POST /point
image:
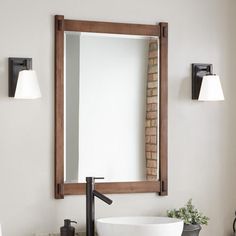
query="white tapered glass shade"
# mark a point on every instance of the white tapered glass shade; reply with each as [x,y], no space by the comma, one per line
[0,230]
[27,85]
[211,89]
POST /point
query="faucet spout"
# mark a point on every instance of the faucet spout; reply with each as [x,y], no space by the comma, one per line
[102,197]
[90,209]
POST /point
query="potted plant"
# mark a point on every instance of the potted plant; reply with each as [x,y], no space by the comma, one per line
[193,219]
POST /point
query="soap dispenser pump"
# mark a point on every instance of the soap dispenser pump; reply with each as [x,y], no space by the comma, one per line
[67,229]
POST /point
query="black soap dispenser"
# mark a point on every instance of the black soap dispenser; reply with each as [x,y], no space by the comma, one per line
[67,229]
[234,225]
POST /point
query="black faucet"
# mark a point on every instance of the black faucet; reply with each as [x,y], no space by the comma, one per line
[90,213]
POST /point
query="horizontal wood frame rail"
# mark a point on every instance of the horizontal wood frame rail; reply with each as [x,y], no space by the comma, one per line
[114,187]
[111,28]
[160,30]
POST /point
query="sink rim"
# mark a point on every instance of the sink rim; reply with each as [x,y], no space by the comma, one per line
[160,220]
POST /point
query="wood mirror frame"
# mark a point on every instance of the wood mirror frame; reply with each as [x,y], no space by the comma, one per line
[161,30]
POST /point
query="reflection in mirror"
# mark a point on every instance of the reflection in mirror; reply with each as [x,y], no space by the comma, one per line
[111,107]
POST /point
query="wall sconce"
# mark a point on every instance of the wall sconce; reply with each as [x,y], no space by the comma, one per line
[22,80]
[205,85]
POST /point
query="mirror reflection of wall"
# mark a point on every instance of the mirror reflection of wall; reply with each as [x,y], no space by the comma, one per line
[71,106]
[106,84]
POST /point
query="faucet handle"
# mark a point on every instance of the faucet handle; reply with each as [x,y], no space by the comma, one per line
[98,177]
[92,179]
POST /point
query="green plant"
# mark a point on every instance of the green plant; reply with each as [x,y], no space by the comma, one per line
[189,214]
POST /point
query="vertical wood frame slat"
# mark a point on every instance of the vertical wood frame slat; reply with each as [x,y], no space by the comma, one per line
[163,129]
[59,106]
[160,30]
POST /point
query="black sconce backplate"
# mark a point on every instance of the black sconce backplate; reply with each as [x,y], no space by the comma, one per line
[15,65]
[198,71]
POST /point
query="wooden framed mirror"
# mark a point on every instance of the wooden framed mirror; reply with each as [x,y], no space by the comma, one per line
[87,92]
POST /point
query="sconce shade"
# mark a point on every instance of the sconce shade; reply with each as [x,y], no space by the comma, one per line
[27,85]
[0,230]
[211,89]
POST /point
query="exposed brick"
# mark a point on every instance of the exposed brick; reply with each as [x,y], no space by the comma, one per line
[149,155]
[153,139]
[148,139]
[152,69]
[153,155]
[151,163]
[151,100]
[151,178]
[152,54]
[151,115]
[151,148]
[155,76]
[151,61]
[154,107]
[148,123]
[154,123]
[149,92]
[152,84]
[151,171]
[151,112]
[153,46]
[152,77]
[154,92]
[149,107]
[153,40]
[151,131]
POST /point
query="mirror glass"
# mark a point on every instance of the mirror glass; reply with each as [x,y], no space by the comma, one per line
[111,107]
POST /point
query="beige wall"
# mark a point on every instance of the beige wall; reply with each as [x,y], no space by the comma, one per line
[202,154]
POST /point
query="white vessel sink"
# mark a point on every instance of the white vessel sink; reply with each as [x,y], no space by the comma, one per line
[139,226]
